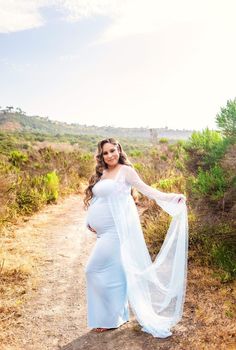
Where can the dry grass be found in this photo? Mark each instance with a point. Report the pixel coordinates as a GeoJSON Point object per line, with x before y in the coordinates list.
{"type": "Point", "coordinates": [61, 147]}
{"type": "Point", "coordinates": [18, 274]}
{"type": "Point", "coordinates": [211, 309]}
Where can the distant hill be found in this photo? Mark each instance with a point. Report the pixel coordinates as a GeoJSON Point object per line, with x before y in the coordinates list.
{"type": "Point", "coordinates": [16, 121]}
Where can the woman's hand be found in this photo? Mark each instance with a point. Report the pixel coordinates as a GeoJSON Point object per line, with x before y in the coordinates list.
{"type": "Point", "coordinates": [91, 229]}
{"type": "Point", "coordinates": [182, 198]}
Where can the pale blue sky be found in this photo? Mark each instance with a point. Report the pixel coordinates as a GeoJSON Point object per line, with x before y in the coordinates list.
{"type": "Point", "coordinates": [122, 63]}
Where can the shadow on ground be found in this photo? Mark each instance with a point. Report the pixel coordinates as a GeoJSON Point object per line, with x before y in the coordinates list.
{"type": "Point", "coordinates": [129, 336]}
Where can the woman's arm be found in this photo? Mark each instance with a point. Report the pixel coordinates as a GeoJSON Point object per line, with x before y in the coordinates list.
{"type": "Point", "coordinates": [132, 178]}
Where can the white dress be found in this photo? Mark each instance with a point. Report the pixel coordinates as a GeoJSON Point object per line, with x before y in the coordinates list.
{"type": "Point", "coordinates": [107, 302]}
{"type": "Point", "coordinates": [120, 271]}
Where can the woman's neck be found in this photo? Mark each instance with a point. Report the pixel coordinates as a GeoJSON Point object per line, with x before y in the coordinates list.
{"type": "Point", "coordinates": [111, 168]}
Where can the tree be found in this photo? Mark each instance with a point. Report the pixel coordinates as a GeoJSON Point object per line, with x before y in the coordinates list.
{"type": "Point", "coordinates": [9, 108]}
{"type": "Point", "coordinates": [19, 110]}
{"type": "Point", "coordinates": [226, 119]}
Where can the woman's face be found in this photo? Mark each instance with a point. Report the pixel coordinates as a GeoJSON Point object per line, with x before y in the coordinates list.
{"type": "Point", "coordinates": [110, 154]}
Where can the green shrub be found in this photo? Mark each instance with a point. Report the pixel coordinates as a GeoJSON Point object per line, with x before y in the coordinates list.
{"type": "Point", "coordinates": [209, 145]}
{"type": "Point", "coordinates": [205, 140]}
{"type": "Point", "coordinates": [181, 143]}
{"type": "Point", "coordinates": [85, 164]}
{"type": "Point", "coordinates": [212, 183]}
{"type": "Point", "coordinates": [17, 158]}
{"type": "Point", "coordinates": [153, 152]}
{"type": "Point", "coordinates": [51, 182]}
{"type": "Point", "coordinates": [163, 157]}
{"type": "Point", "coordinates": [135, 153]}
{"type": "Point", "coordinates": [138, 166]}
{"type": "Point", "coordinates": [172, 147]}
{"type": "Point", "coordinates": [172, 184]}
{"type": "Point", "coordinates": [28, 197]}
{"type": "Point", "coordinates": [33, 192]}
{"type": "Point", "coordinates": [224, 257]}
{"type": "Point", "coordinates": [179, 165]}
{"type": "Point", "coordinates": [163, 140]}
{"type": "Point", "coordinates": [86, 157]}
{"type": "Point", "coordinates": [213, 244]}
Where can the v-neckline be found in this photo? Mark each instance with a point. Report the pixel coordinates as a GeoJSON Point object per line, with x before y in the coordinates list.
{"type": "Point", "coordinates": [115, 177]}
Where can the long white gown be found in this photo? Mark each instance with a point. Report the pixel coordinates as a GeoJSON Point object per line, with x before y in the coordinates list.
{"type": "Point", "coordinates": [106, 283]}
{"type": "Point", "coordinates": [120, 272]}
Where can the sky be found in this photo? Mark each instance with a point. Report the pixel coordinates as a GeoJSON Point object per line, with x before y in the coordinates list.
{"type": "Point", "coordinates": [129, 63]}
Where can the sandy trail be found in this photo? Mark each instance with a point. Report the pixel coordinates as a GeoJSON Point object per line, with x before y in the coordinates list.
{"type": "Point", "coordinates": [55, 315]}
{"type": "Point", "coordinates": [56, 312]}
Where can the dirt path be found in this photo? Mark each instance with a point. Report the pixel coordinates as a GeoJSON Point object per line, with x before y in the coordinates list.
{"type": "Point", "coordinates": [54, 316]}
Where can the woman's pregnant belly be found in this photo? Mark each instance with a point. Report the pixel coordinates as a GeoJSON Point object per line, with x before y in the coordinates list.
{"type": "Point", "coordinates": [100, 217]}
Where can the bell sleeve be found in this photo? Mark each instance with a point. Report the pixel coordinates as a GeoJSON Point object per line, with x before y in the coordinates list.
{"type": "Point", "coordinates": [172, 203]}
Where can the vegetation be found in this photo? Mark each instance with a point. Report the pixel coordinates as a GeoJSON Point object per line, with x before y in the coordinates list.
{"type": "Point", "coordinates": [203, 168]}
{"type": "Point", "coordinates": [37, 168]}
{"type": "Point", "coordinates": [16, 120]}
{"type": "Point", "coordinates": [33, 174]}
{"type": "Point", "coordinates": [226, 120]}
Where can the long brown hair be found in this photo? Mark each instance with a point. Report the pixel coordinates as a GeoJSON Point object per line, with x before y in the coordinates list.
{"type": "Point", "coordinates": [101, 165]}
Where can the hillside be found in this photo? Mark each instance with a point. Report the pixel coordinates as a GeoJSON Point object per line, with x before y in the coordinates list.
{"type": "Point", "coordinates": [17, 121]}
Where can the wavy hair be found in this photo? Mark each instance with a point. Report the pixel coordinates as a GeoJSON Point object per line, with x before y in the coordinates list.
{"type": "Point", "coordinates": [101, 165]}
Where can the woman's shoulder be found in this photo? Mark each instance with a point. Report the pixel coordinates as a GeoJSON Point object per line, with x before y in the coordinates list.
{"type": "Point", "coordinates": [128, 167]}
{"type": "Point", "coordinates": [125, 167]}
{"type": "Point", "coordinates": [127, 170]}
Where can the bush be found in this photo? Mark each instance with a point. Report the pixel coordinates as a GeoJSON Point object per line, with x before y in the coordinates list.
{"type": "Point", "coordinates": [163, 157]}
{"type": "Point", "coordinates": [179, 165]}
{"type": "Point", "coordinates": [135, 153]}
{"type": "Point", "coordinates": [212, 183]}
{"type": "Point", "coordinates": [51, 182]}
{"type": "Point", "coordinates": [153, 152]}
{"type": "Point", "coordinates": [29, 198]}
{"type": "Point", "coordinates": [224, 257]}
{"type": "Point", "coordinates": [213, 244]}
{"type": "Point", "coordinates": [18, 158]}
{"type": "Point", "coordinates": [163, 140]}
{"type": "Point", "coordinates": [172, 184]}
{"type": "Point", "coordinates": [208, 145]}
{"type": "Point", "coordinates": [33, 192]}
{"type": "Point", "coordinates": [139, 167]}
{"type": "Point", "coordinates": [85, 164]}
{"type": "Point", "coordinates": [205, 140]}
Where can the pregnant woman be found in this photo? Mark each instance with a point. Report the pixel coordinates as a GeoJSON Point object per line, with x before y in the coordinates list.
{"type": "Point", "coordinates": [119, 272]}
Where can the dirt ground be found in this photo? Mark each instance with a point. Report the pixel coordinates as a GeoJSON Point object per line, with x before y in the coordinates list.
{"type": "Point", "coordinates": [54, 313]}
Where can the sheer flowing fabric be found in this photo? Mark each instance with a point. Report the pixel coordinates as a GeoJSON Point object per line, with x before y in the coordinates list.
{"type": "Point", "coordinates": [156, 290]}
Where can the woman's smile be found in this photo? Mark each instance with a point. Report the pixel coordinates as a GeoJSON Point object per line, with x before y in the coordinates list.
{"type": "Point", "coordinates": [109, 150]}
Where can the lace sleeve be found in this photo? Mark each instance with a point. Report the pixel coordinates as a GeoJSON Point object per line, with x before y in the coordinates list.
{"type": "Point", "coordinates": [132, 178]}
